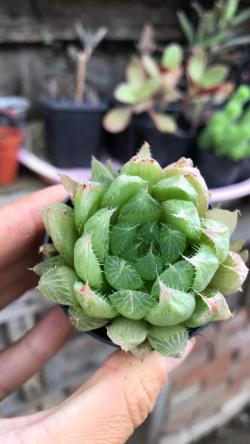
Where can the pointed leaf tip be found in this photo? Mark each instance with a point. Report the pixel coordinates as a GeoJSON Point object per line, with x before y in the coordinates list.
{"type": "Point", "coordinates": [144, 152]}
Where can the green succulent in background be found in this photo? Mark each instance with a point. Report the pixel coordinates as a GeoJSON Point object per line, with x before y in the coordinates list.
{"type": "Point", "coordinates": [227, 133]}
{"type": "Point", "coordinates": [140, 253]}
{"type": "Point", "coordinates": [149, 87]}
{"type": "Point", "coordinates": [205, 77]}
{"type": "Point", "coordinates": [206, 87]}
{"type": "Point", "coordinates": [217, 29]}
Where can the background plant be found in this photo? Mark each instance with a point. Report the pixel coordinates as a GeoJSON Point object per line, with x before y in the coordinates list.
{"type": "Point", "coordinates": [206, 86]}
{"type": "Point", "coordinates": [228, 132]}
{"type": "Point", "coordinates": [140, 253]}
{"type": "Point", "coordinates": [61, 85]}
{"type": "Point", "coordinates": [218, 29]}
{"type": "Point", "coordinates": [149, 87]}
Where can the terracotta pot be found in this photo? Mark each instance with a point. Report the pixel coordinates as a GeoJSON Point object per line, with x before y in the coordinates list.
{"type": "Point", "coordinates": [10, 141]}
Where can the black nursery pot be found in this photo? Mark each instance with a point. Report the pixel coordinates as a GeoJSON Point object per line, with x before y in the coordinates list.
{"type": "Point", "coordinates": [166, 148]}
{"type": "Point", "coordinates": [101, 333]}
{"type": "Point", "coordinates": [73, 132]}
{"type": "Point", "coordinates": [218, 171]}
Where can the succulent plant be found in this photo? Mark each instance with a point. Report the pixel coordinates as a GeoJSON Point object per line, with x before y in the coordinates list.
{"type": "Point", "coordinates": [218, 28]}
{"type": "Point", "coordinates": [227, 133]}
{"type": "Point", "coordinates": [206, 87]}
{"type": "Point", "coordinates": [149, 87]}
{"type": "Point", "coordinates": [138, 252]}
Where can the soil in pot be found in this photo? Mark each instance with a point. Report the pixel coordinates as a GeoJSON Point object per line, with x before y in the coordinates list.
{"type": "Point", "coordinates": [10, 141]}
{"type": "Point", "coordinates": [73, 132]}
{"type": "Point", "coordinates": [218, 171]}
{"type": "Point", "coordinates": [165, 147]}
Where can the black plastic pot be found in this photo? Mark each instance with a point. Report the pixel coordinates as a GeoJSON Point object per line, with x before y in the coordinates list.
{"type": "Point", "coordinates": [218, 171]}
{"type": "Point", "coordinates": [166, 148]}
{"type": "Point", "coordinates": [73, 132]}
{"type": "Point", "coordinates": [245, 169]}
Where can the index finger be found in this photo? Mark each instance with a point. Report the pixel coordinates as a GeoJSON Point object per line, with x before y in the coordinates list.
{"type": "Point", "coordinates": [21, 224]}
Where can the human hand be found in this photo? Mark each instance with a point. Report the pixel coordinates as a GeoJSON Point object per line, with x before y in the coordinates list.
{"type": "Point", "coordinates": [114, 400]}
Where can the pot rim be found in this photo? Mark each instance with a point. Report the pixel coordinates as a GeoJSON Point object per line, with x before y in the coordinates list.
{"type": "Point", "coordinates": [64, 105]}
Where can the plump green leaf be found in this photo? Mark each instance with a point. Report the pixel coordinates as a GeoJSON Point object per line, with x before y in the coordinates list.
{"type": "Point", "coordinates": [178, 276]}
{"type": "Point", "coordinates": [172, 243]}
{"type": "Point", "coordinates": [230, 275]}
{"type": "Point", "coordinates": [148, 89]}
{"type": "Point", "coordinates": [47, 264]}
{"type": "Point", "coordinates": [149, 234]}
{"type": "Point", "coordinates": [172, 56]}
{"type": "Point", "coordinates": [87, 202]}
{"type": "Point", "coordinates": [205, 263]}
{"type": "Point", "coordinates": [210, 306]}
{"type": "Point", "coordinates": [101, 173]}
{"type": "Point", "coordinates": [135, 73]}
{"type": "Point", "coordinates": [140, 208]}
{"type": "Point", "coordinates": [185, 167]}
{"type": "Point", "coordinates": [59, 223]}
{"type": "Point", "coordinates": [174, 187]}
{"type": "Point", "coordinates": [197, 66]}
{"type": "Point", "coordinates": [57, 284]}
{"type": "Point", "coordinates": [213, 76]}
{"type": "Point", "coordinates": [125, 94]}
{"type": "Point", "coordinates": [173, 308]}
{"type": "Point", "coordinates": [121, 274]}
{"type": "Point", "coordinates": [183, 215]}
{"type": "Point", "coordinates": [132, 304]}
{"type": "Point", "coordinates": [225, 217]}
{"type": "Point", "coordinates": [98, 228]}
{"type": "Point", "coordinates": [82, 321]}
{"type": "Point", "coordinates": [163, 122]}
{"type": "Point", "coordinates": [216, 235]}
{"type": "Point", "coordinates": [122, 238]}
{"type": "Point", "coordinates": [127, 333]}
{"type": "Point", "coordinates": [149, 266]}
{"type": "Point", "coordinates": [144, 166]}
{"type": "Point", "coordinates": [86, 263]}
{"type": "Point", "coordinates": [122, 189]}
{"type": "Point", "coordinates": [117, 119]}
{"type": "Point", "coordinates": [151, 66]}
{"type": "Point", "coordinates": [93, 303]}
{"type": "Point", "coordinates": [168, 341]}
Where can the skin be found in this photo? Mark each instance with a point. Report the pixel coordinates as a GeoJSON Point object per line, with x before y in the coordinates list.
{"type": "Point", "coordinates": [114, 400]}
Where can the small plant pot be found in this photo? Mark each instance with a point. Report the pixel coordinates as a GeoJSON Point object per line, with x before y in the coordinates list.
{"type": "Point", "coordinates": [73, 132]}
{"type": "Point", "coordinates": [166, 148]}
{"type": "Point", "coordinates": [10, 142]}
{"type": "Point", "coordinates": [218, 171]}
{"type": "Point", "coordinates": [245, 169]}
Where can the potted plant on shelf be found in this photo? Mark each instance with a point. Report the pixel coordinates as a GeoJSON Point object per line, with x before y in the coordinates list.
{"type": "Point", "coordinates": [224, 144]}
{"type": "Point", "coordinates": [73, 124]}
{"type": "Point", "coordinates": [145, 105]}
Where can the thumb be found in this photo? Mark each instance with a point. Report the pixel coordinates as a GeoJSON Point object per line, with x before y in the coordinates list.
{"type": "Point", "coordinates": [115, 400]}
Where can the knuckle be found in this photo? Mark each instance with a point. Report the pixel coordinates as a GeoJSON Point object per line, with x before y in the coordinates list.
{"type": "Point", "coordinates": [140, 399]}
